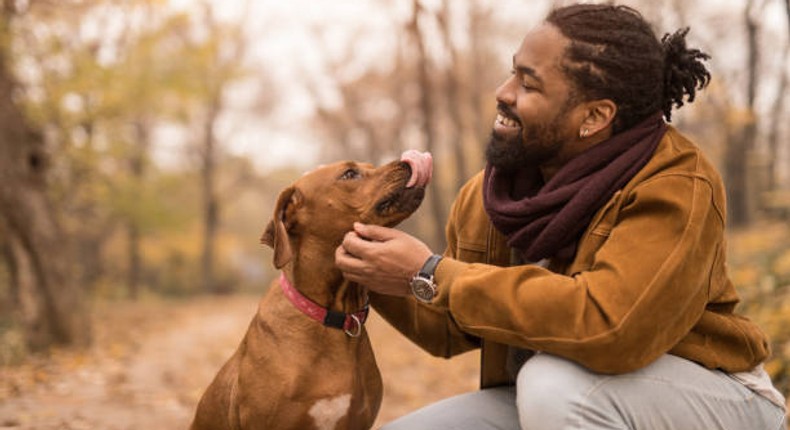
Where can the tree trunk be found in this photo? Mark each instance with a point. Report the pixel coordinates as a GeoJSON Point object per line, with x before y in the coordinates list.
{"type": "Point", "coordinates": [736, 177]}
{"type": "Point", "coordinates": [210, 202]}
{"type": "Point", "coordinates": [454, 105]}
{"type": "Point", "coordinates": [137, 168]}
{"type": "Point", "coordinates": [29, 309]}
{"type": "Point", "coordinates": [135, 261]}
{"type": "Point", "coordinates": [787, 11]}
{"type": "Point", "coordinates": [481, 96]}
{"type": "Point", "coordinates": [88, 236]}
{"type": "Point", "coordinates": [777, 113]}
{"type": "Point", "coordinates": [11, 302]}
{"type": "Point", "coordinates": [428, 125]}
{"type": "Point", "coordinates": [34, 233]}
{"type": "Point", "coordinates": [740, 145]}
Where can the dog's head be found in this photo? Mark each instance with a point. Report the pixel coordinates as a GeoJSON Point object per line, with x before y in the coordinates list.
{"type": "Point", "coordinates": [324, 204]}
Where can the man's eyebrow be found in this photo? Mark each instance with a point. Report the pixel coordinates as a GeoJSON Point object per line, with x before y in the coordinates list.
{"type": "Point", "coordinates": [526, 70]}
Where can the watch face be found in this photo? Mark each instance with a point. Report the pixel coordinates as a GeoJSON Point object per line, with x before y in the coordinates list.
{"type": "Point", "coordinates": [423, 289]}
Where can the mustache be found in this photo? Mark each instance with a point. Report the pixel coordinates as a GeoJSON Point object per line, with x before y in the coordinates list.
{"type": "Point", "coordinates": [505, 110]}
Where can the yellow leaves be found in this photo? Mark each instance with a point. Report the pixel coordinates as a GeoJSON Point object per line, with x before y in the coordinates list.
{"type": "Point", "coordinates": [758, 239]}
{"type": "Point", "coordinates": [117, 350]}
{"type": "Point", "coordinates": [173, 246]}
{"type": "Point", "coordinates": [760, 267]}
{"type": "Point", "coordinates": [774, 367]}
{"type": "Point", "coordinates": [738, 118]}
{"type": "Point", "coordinates": [781, 266]}
{"type": "Point", "coordinates": [40, 376]}
{"type": "Point", "coordinates": [744, 276]}
{"type": "Point", "coordinates": [12, 346]}
{"type": "Point", "coordinates": [157, 2]}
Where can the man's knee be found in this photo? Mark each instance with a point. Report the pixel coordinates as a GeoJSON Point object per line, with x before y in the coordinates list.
{"type": "Point", "coordinates": [489, 409]}
{"type": "Point", "coordinates": [548, 391]}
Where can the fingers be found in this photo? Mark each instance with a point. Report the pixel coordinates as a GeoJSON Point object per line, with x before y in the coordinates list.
{"type": "Point", "coordinates": [345, 261]}
{"type": "Point", "coordinates": [355, 246]}
{"type": "Point", "coordinates": [358, 254]}
{"type": "Point", "coordinates": [352, 267]}
{"type": "Point", "coordinates": [380, 258]}
{"type": "Point", "coordinates": [375, 232]}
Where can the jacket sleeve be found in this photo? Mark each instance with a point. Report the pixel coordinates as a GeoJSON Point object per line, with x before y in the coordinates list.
{"type": "Point", "coordinates": [645, 288]}
{"type": "Point", "coordinates": [431, 328]}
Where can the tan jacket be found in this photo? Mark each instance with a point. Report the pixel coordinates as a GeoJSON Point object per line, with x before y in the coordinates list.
{"type": "Point", "coordinates": [649, 277]}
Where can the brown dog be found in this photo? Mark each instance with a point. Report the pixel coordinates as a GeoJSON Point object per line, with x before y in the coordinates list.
{"type": "Point", "coordinates": [290, 371]}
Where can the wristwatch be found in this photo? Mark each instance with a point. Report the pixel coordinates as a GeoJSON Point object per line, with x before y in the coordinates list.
{"type": "Point", "coordinates": [422, 285]}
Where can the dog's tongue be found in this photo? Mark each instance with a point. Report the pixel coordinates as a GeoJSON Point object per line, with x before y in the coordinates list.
{"type": "Point", "coordinates": [421, 164]}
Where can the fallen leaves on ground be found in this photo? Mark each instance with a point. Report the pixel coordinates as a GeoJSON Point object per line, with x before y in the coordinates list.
{"type": "Point", "coordinates": [152, 359]}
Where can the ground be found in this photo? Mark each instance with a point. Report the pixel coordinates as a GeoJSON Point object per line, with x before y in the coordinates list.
{"type": "Point", "coordinates": [152, 359]}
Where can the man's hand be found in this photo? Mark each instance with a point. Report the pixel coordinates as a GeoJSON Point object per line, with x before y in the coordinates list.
{"type": "Point", "coordinates": [381, 258]}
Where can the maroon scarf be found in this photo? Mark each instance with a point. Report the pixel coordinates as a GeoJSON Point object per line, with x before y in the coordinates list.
{"type": "Point", "coordinates": [547, 220]}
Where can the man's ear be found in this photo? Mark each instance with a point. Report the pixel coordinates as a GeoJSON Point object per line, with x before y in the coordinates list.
{"type": "Point", "coordinates": [599, 117]}
{"type": "Point", "coordinates": [276, 233]}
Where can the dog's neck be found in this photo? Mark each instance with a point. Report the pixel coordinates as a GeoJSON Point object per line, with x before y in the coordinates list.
{"type": "Point", "coordinates": [317, 278]}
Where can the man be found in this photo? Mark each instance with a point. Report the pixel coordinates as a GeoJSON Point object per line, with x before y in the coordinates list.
{"type": "Point", "coordinates": [588, 259]}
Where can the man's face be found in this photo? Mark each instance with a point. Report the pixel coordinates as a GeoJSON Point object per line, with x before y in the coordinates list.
{"type": "Point", "coordinates": [536, 115]}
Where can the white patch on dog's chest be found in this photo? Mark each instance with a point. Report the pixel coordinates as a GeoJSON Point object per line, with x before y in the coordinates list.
{"type": "Point", "coordinates": [327, 412]}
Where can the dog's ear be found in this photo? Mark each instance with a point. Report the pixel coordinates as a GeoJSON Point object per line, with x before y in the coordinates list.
{"type": "Point", "coordinates": [276, 233]}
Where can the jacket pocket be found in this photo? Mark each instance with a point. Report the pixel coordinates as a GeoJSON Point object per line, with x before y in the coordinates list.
{"type": "Point", "coordinates": [596, 235]}
{"type": "Point", "coordinates": [471, 252]}
{"type": "Point", "coordinates": [585, 255]}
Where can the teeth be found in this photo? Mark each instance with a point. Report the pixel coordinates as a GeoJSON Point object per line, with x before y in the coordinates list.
{"type": "Point", "coordinates": [507, 122]}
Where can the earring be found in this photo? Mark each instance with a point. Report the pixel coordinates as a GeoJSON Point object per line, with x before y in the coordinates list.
{"type": "Point", "coordinates": [583, 133]}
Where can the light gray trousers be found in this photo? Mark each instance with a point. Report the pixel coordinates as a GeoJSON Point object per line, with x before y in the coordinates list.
{"type": "Point", "coordinates": [553, 393]}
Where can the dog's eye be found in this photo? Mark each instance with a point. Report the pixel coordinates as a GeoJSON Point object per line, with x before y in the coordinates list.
{"type": "Point", "coordinates": [349, 174]}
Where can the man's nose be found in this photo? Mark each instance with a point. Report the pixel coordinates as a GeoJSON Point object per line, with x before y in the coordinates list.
{"type": "Point", "coordinates": [505, 94]}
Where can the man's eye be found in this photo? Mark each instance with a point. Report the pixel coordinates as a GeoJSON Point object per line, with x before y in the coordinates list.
{"type": "Point", "coordinates": [349, 174]}
{"type": "Point", "coordinates": [528, 84]}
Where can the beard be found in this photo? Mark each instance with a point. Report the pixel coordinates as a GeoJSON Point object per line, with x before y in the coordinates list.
{"type": "Point", "coordinates": [536, 144]}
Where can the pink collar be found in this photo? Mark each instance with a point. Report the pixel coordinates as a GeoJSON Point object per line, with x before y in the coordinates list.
{"type": "Point", "coordinates": [350, 323]}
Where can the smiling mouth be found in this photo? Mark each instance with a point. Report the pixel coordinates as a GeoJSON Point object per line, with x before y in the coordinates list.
{"type": "Point", "coordinates": [502, 119]}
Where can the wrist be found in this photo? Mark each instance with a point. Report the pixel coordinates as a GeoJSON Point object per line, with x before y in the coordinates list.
{"type": "Point", "coordinates": [423, 284]}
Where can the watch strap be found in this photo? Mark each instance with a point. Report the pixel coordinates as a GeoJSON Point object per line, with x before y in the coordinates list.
{"type": "Point", "coordinates": [429, 267]}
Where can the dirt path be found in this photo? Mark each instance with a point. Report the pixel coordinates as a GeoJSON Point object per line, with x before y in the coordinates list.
{"type": "Point", "coordinates": [151, 361]}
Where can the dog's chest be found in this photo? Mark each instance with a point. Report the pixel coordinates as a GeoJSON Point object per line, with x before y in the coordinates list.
{"type": "Point", "coordinates": [327, 412]}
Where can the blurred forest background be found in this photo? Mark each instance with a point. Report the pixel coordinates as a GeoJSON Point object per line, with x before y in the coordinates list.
{"type": "Point", "coordinates": [143, 143]}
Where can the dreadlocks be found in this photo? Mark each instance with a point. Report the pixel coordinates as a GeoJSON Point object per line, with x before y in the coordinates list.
{"type": "Point", "coordinates": [613, 53]}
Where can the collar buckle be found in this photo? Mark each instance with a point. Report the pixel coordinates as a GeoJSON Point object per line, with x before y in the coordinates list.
{"type": "Point", "coordinates": [351, 324]}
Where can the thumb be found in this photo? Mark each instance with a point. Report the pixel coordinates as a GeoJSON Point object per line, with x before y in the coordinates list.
{"type": "Point", "coordinates": [374, 232]}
